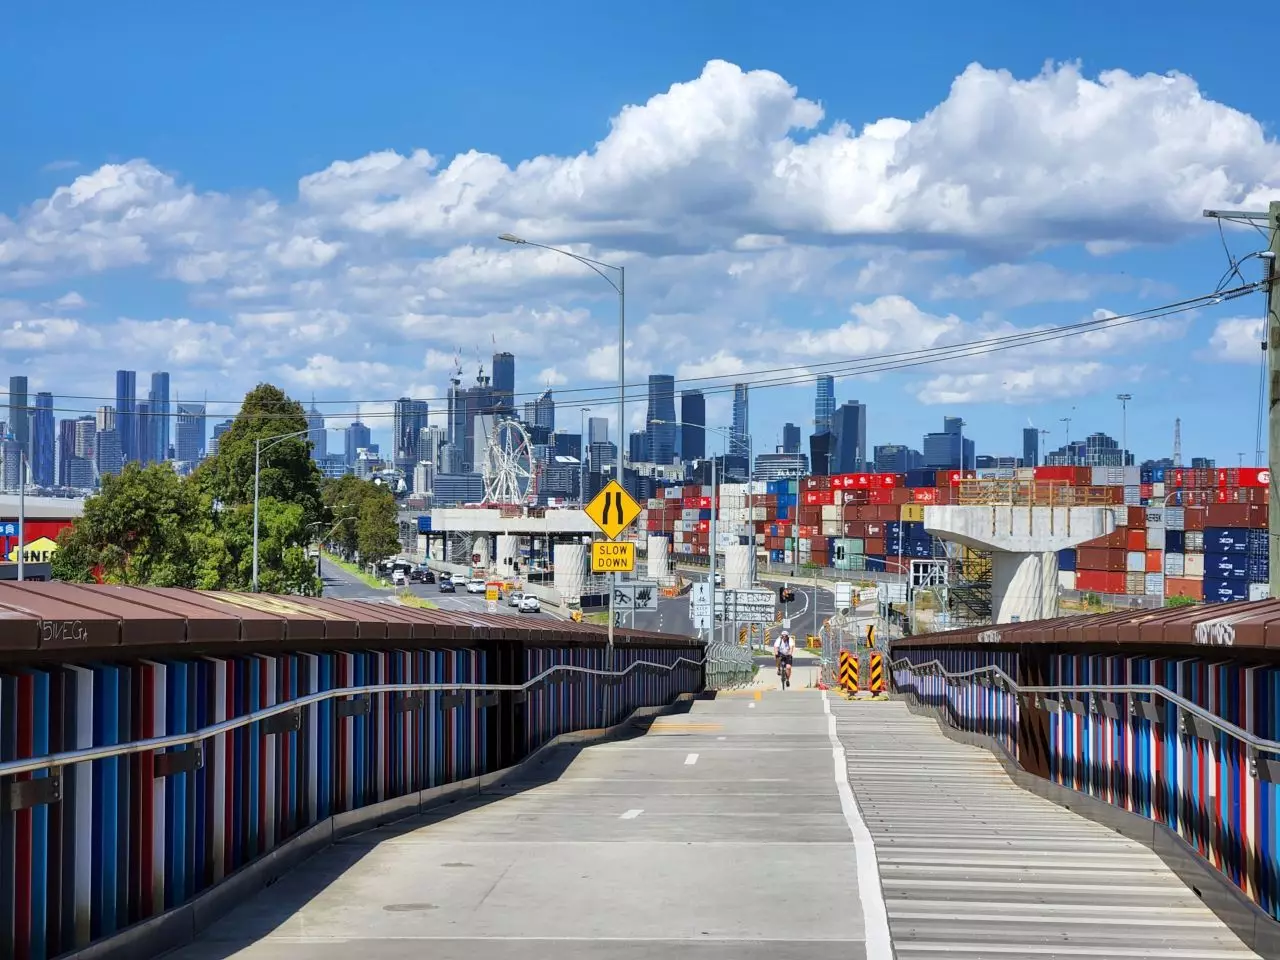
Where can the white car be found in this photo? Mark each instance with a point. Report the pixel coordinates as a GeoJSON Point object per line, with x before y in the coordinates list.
{"type": "Point", "coordinates": [514, 599]}
{"type": "Point", "coordinates": [397, 577]}
{"type": "Point", "coordinates": [529, 604]}
{"type": "Point", "coordinates": [475, 586]}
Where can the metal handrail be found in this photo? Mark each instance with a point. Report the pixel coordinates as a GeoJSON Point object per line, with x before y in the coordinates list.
{"type": "Point", "coordinates": [83, 754]}
{"type": "Point", "coordinates": [1255, 743]}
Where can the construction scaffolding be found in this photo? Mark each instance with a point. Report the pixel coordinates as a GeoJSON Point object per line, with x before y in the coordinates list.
{"type": "Point", "coordinates": [1018, 492]}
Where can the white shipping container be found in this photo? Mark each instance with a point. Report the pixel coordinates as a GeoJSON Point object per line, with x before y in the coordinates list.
{"type": "Point", "coordinates": [1174, 564]}
{"type": "Point", "coordinates": [831, 513]}
{"type": "Point", "coordinates": [1155, 538]}
{"type": "Point", "coordinates": [690, 514]}
{"type": "Point", "coordinates": [1155, 517]}
{"type": "Point", "coordinates": [1135, 561]}
{"type": "Point", "coordinates": [655, 503]}
{"type": "Point", "coordinates": [832, 528]}
{"type": "Point", "coordinates": [1195, 541]}
{"type": "Point", "coordinates": [1067, 579]}
{"type": "Point", "coordinates": [685, 548]}
{"type": "Point", "coordinates": [1132, 476]}
{"type": "Point", "coordinates": [759, 513]}
{"type": "Point", "coordinates": [1099, 476]}
{"type": "Point", "coordinates": [1155, 584]}
{"type": "Point", "coordinates": [1122, 516]}
{"type": "Point", "coordinates": [1025, 473]}
{"type": "Point", "coordinates": [1175, 518]}
{"type": "Point", "coordinates": [1157, 491]}
{"type": "Point", "coordinates": [1193, 565]}
{"type": "Point", "coordinates": [1259, 591]}
{"type": "Point", "coordinates": [672, 493]}
{"type": "Point", "coordinates": [1133, 496]}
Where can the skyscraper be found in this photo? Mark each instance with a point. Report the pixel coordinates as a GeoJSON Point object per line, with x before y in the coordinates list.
{"type": "Point", "coordinates": [637, 440]}
{"type": "Point", "coordinates": [409, 418]}
{"type": "Point", "coordinates": [504, 382]}
{"type": "Point", "coordinates": [317, 435]}
{"type": "Point", "coordinates": [127, 413]}
{"type": "Point", "coordinates": [740, 433]}
{"type": "Point", "coordinates": [597, 430]}
{"type": "Point", "coordinates": [43, 442]}
{"type": "Point", "coordinates": [693, 418]}
{"type": "Point", "coordinates": [824, 405]}
{"type": "Point", "coordinates": [1030, 447]}
{"type": "Point", "coordinates": [106, 419]}
{"type": "Point", "coordinates": [66, 449]}
{"type": "Point", "coordinates": [143, 428]}
{"type": "Point", "coordinates": [158, 434]}
{"type": "Point", "coordinates": [19, 413]}
{"type": "Point", "coordinates": [790, 438]}
{"type": "Point", "coordinates": [357, 439]}
{"type": "Point", "coordinates": [849, 438]}
{"type": "Point", "coordinates": [661, 435]}
{"type": "Point", "coordinates": [189, 433]}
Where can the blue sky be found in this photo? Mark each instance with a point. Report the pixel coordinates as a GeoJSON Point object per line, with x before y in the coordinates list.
{"type": "Point", "coordinates": [203, 228]}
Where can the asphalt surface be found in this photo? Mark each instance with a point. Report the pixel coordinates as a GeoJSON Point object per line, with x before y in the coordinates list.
{"type": "Point", "coordinates": [721, 835]}
{"type": "Point", "coordinates": [341, 585]}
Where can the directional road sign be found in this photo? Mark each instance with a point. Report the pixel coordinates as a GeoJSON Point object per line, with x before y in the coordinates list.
{"type": "Point", "coordinates": [742, 606]}
{"type": "Point", "coordinates": [612, 510]}
{"type": "Point", "coordinates": [608, 556]}
{"type": "Point", "coordinates": [636, 595]}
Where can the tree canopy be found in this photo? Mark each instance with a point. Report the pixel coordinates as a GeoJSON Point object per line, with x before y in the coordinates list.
{"type": "Point", "coordinates": [364, 518]}
{"type": "Point", "coordinates": [150, 526]}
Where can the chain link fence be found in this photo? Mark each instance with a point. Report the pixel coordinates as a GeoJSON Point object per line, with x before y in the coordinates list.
{"type": "Point", "coordinates": [728, 665]}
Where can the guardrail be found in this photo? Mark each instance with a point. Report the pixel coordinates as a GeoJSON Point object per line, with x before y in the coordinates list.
{"type": "Point", "coordinates": [1136, 744]}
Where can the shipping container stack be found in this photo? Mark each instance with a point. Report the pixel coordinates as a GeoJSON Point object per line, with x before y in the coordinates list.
{"type": "Point", "coordinates": [1199, 534]}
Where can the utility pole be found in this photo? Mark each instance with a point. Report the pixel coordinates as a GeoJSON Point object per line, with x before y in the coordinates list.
{"type": "Point", "coordinates": [1272, 328]}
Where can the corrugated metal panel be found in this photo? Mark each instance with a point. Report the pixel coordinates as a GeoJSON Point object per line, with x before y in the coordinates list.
{"type": "Point", "coordinates": [973, 865]}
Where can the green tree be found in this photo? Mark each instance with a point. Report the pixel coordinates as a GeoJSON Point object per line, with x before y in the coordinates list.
{"type": "Point", "coordinates": [140, 529]}
{"type": "Point", "coordinates": [374, 531]}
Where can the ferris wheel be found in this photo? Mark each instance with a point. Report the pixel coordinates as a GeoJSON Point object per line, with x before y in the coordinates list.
{"type": "Point", "coordinates": [508, 464]}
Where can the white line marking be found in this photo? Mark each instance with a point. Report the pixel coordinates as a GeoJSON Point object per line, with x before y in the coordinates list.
{"type": "Point", "coordinates": [690, 760]}
{"type": "Point", "coordinates": [875, 915]}
{"type": "Point", "coordinates": [631, 814]}
{"type": "Point", "coordinates": [751, 706]}
{"type": "Point", "coordinates": [722, 738]}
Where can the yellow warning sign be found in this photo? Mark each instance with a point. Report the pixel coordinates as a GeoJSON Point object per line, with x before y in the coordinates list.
{"type": "Point", "coordinates": [612, 510]}
{"type": "Point", "coordinates": [610, 557]}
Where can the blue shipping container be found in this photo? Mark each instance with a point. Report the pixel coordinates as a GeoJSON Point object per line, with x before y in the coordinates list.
{"type": "Point", "coordinates": [1225, 591]}
{"type": "Point", "coordinates": [424, 524]}
{"type": "Point", "coordinates": [1067, 560]}
{"type": "Point", "coordinates": [922, 478]}
{"type": "Point", "coordinates": [1259, 569]}
{"type": "Point", "coordinates": [1175, 541]}
{"type": "Point", "coordinates": [1226, 566]}
{"type": "Point", "coordinates": [1226, 540]}
{"type": "Point", "coordinates": [1146, 475]}
{"type": "Point", "coordinates": [1157, 475]}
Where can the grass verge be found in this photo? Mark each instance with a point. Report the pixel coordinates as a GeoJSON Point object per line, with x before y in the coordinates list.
{"type": "Point", "coordinates": [355, 571]}
{"type": "Point", "coordinates": [409, 599]}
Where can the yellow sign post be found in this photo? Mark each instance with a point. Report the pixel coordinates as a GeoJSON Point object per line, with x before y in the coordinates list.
{"type": "Point", "coordinates": [610, 556]}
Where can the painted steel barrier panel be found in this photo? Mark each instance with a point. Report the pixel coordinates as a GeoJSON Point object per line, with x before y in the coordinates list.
{"type": "Point", "coordinates": [123, 843]}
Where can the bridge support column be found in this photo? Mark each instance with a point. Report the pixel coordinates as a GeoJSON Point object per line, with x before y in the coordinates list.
{"type": "Point", "coordinates": [1024, 586]}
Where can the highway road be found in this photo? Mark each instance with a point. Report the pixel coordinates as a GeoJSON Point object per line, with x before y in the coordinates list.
{"type": "Point", "coordinates": [340, 585]}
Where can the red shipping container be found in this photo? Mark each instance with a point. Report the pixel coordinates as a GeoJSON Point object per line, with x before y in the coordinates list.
{"type": "Point", "coordinates": [879, 496]}
{"type": "Point", "coordinates": [943, 495]}
{"type": "Point", "coordinates": [1155, 561]}
{"type": "Point", "coordinates": [815, 483]}
{"type": "Point", "coordinates": [1101, 559]}
{"type": "Point", "coordinates": [1253, 516]}
{"type": "Point", "coordinates": [1195, 518]}
{"type": "Point", "coordinates": [889, 479]}
{"type": "Point", "coordinates": [952, 478]}
{"type": "Point", "coordinates": [1098, 581]}
{"type": "Point", "coordinates": [1243, 477]}
{"type": "Point", "coordinates": [1184, 587]}
{"type": "Point", "coordinates": [874, 545]}
{"type": "Point", "coordinates": [1137, 517]}
{"type": "Point", "coordinates": [1075, 476]}
{"type": "Point", "coordinates": [819, 498]}
{"type": "Point", "coordinates": [1135, 539]}
{"type": "Point", "coordinates": [1146, 490]}
{"type": "Point", "coordinates": [874, 528]}
{"type": "Point", "coordinates": [704, 526]}
{"type": "Point", "coordinates": [924, 495]}
{"type": "Point", "coordinates": [1117, 540]}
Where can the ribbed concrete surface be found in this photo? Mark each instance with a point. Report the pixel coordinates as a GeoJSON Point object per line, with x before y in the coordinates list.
{"type": "Point", "coordinates": [974, 866]}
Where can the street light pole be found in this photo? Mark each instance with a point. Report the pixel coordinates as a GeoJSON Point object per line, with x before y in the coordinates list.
{"type": "Point", "coordinates": [1124, 399]}
{"type": "Point", "coordinates": [582, 454]}
{"type": "Point", "coordinates": [22, 512]}
{"type": "Point", "coordinates": [257, 470]}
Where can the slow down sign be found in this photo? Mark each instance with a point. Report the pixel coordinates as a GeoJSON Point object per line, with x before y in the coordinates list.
{"type": "Point", "coordinates": [610, 556]}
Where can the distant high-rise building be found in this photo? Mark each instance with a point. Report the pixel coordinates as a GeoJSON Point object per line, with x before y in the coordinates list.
{"type": "Point", "coordinates": [142, 423]}
{"type": "Point", "coordinates": [43, 442]}
{"type": "Point", "coordinates": [127, 413]}
{"type": "Point", "coordinates": [693, 421]}
{"type": "Point", "coordinates": [790, 438]}
{"type": "Point", "coordinates": [849, 438]}
{"type": "Point", "coordinates": [544, 411]}
{"type": "Point", "coordinates": [824, 405]}
{"type": "Point", "coordinates": [949, 449]}
{"type": "Point", "coordinates": [897, 458]}
{"type": "Point", "coordinates": [19, 413]}
{"type": "Point", "coordinates": [597, 430]}
{"type": "Point", "coordinates": [66, 449]}
{"type": "Point", "coordinates": [189, 434]}
{"type": "Point", "coordinates": [218, 430]}
{"type": "Point", "coordinates": [106, 419]}
{"type": "Point", "coordinates": [408, 419]}
{"type": "Point", "coordinates": [11, 458]}
{"type": "Point", "coordinates": [820, 454]}
{"type": "Point", "coordinates": [660, 424]}
{"type": "Point", "coordinates": [740, 431]}
{"type": "Point", "coordinates": [317, 435]}
{"type": "Point", "coordinates": [158, 401]}
{"type": "Point", "coordinates": [85, 442]}
{"type": "Point", "coordinates": [1203, 463]}
{"type": "Point", "coordinates": [110, 458]}
{"type": "Point", "coordinates": [504, 383]}
{"type": "Point", "coordinates": [637, 441]}
{"type": "Point", "coordinates": [358, 437]}
{"type": "Point", "coordinates": [1030, 447]}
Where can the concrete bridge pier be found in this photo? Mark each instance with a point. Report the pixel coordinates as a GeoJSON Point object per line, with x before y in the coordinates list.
{"type": "Point", "coordinates": [1024, 542]}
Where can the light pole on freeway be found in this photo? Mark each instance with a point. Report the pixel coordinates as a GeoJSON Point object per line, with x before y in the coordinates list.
{"type": "Point", "coordinates": [258, 447]}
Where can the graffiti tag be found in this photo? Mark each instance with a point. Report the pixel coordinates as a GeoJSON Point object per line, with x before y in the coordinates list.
{"type": "Point", "coordinates": [1216, 633]}
{"type": "Point", "coordinates": [62, 632]}
{"type": "Point", "coordinates": [989, 636]}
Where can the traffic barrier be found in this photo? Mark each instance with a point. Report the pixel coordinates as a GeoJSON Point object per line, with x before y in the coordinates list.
{"type": "Point", "coordinates": [876, 684]}
{"type": "Point", "coordinates": [848, 671]}
{"type": "Point", "coordinates": [742, 636]}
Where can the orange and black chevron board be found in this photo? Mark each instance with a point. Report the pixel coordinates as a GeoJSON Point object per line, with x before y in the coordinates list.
{"type": "Point", "coordinates": [848, 671]}
{"type": "Point", "coordinates": [876, 683]}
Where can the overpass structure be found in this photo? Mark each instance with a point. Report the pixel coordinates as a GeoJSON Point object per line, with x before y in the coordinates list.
{"type": "Point", "coordinates": [277, 778]}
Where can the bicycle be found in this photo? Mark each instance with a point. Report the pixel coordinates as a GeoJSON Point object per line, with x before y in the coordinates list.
{"type": "Point", "coordinates": [784, 671]}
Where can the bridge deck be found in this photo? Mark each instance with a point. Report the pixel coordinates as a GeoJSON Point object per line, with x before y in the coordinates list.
{"type": "Point", "coordinates": [973, 865]}
{"type": "Point", "coordinates": [721, 834]}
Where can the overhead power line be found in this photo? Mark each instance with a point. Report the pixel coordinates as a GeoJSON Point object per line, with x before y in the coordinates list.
{"type": "Point", "coordinates": [783, 376]}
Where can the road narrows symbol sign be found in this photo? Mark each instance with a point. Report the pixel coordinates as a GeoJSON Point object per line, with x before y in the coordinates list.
{"type": "Point", "coordinates": [612, 509]}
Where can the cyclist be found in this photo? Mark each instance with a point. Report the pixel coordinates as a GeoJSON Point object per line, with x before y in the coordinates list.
{"type": "Point", "coordinates": [783, 651]}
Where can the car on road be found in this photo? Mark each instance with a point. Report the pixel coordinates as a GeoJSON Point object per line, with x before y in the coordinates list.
{"type": "Point", "coordinates": [421, 575]}
{"type": "Point", "coordinates": [446, 586]}
{"type": "Point", "coordinates": [475, 586]}
{"type": "Point", "coordinates": [398, 577]}
{"type": "Point", "coordinates": [513, 599]}
{"type": "Point", "coordinates": [529, 603]}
